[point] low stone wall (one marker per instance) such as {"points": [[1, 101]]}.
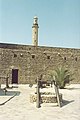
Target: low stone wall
{"points": [[45, 97]]}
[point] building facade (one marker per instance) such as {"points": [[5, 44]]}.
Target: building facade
{"points": [[23, 63]]}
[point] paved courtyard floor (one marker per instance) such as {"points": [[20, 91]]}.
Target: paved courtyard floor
{"points": [[16, 105]]}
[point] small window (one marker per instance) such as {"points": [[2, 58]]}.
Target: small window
{"points": [[15, 55], [28, 52], [45, 53], [65, 58], [33, 56], [29, 48], [21, 55], [48, 57], [59, 54], [76, 59]]}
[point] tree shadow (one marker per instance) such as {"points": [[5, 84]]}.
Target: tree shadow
{"points": [[9, 93], [66, 102]]}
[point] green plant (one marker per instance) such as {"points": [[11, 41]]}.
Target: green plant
{"points": [[62, 76]]}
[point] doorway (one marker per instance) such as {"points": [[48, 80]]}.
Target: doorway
{"points": [[14, 76]]}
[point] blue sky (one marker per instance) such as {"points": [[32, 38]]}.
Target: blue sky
{"points": [[59, 22]]}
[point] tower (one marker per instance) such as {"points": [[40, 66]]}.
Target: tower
{"points": [[35, 31]]}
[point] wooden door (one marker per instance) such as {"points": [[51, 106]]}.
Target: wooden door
{"points": [[15, 76]]}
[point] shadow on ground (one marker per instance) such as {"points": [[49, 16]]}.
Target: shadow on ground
{"points": [[9, 93], [66, 102], [72, 88]]}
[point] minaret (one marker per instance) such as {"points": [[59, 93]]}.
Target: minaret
{"points": [[35, 31]]}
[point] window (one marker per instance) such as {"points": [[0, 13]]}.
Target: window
{"points": [[45, 53], [65, 58], [76, 59], [15, 55], [28, 52], [29, 48], [21, 55], [48, 57], [59, 54], [33, 56]]}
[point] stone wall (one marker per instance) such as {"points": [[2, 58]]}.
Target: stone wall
{"points": [[32, 61]]}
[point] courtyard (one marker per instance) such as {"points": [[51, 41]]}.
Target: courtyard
{"points": [[15, 105]]}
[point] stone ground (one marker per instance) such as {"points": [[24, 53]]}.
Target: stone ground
{"points": [[18, 107]]}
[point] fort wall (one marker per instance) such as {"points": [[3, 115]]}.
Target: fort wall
{"points": [[31, 61]]}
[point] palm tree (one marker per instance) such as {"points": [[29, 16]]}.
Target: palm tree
{"points": [[62, 76]]}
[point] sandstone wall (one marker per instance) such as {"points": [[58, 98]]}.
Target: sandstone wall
{"points": [[32, 61]]}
